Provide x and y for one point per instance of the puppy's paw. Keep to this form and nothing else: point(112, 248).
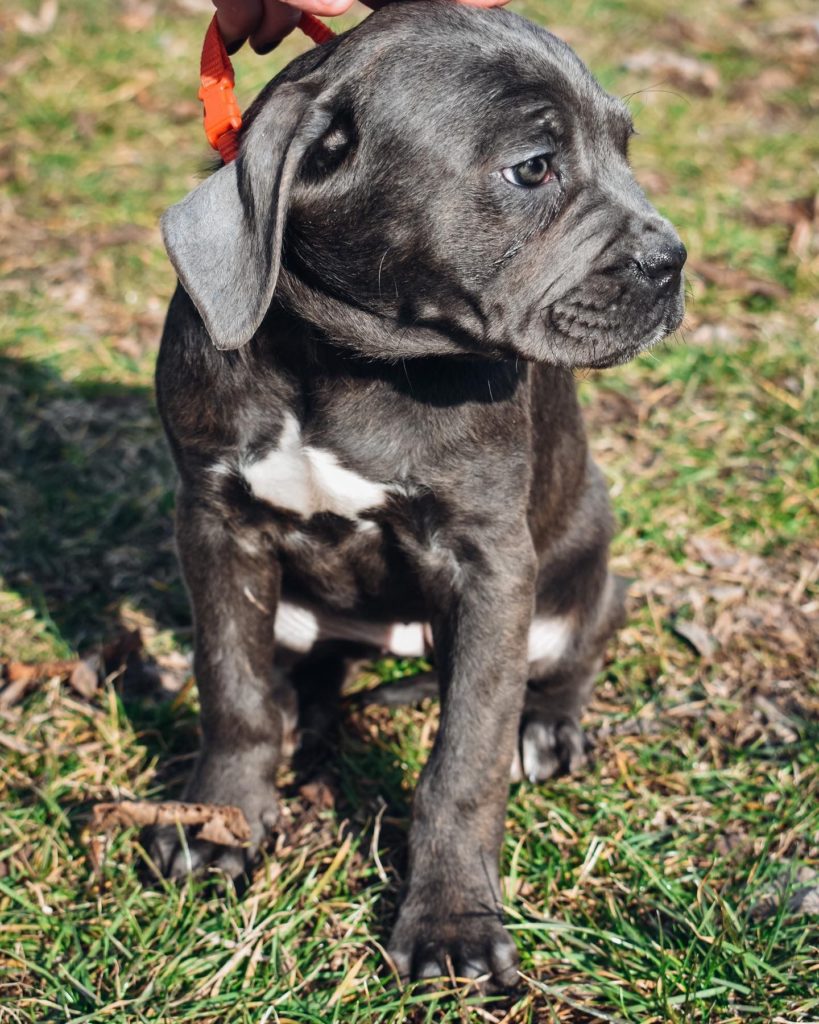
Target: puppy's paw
point(178, 853)
point(428, 942)
point(548, 748)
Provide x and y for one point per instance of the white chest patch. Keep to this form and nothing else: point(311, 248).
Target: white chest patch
point(306, 480)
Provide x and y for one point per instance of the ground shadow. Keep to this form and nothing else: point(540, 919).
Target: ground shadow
point(88, 486)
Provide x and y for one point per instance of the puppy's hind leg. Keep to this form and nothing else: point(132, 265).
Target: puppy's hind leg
point(566, 654)
point(318, 677)
point(552, 741)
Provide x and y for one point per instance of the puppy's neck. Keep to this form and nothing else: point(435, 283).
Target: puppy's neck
point(375, 336)
point(307, 354)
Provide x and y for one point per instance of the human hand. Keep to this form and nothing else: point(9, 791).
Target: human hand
point(266, 22)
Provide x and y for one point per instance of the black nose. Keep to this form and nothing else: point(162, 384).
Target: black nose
point(663, 264)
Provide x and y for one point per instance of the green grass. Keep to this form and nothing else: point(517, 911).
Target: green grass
point(661, 885)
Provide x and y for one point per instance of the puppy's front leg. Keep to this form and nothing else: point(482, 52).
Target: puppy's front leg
point(245, 706)
point(450, 917)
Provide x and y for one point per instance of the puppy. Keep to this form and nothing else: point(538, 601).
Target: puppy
point(366, 381)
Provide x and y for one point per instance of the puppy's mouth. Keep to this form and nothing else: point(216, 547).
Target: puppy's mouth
point(581, 341)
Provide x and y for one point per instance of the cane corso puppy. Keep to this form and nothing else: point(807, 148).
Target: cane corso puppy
point(366, 378)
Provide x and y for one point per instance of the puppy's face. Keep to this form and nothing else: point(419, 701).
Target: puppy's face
point(467, 177)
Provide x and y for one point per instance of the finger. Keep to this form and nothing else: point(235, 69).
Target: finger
point(237, 20)
point(377, 4)
point(322, 8)
point(277, 21)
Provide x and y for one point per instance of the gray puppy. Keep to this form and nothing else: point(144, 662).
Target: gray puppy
point(366, 381)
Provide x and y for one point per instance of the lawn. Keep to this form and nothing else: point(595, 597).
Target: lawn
point(678, 879)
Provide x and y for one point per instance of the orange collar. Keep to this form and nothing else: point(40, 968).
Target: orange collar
point(223, 118)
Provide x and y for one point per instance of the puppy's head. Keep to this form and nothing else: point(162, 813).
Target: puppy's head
point(441, 179)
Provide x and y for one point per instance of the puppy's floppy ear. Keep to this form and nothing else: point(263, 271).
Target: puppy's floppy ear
point(224, 239)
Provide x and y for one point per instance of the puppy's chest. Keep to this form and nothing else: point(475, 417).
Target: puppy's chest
point(307, 479)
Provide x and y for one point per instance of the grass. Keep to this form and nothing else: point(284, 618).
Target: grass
point(668, 883)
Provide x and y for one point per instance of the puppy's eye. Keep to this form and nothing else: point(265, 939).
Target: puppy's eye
point(531, 173)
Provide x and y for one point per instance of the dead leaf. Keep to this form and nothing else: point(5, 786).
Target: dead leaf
point(318, 793)
point(773, 622)
point(801, 215)
point(20, 672)
point(613, 408)
point(220, 824)
point(695, 636)
point(733, 280)
point(802, 239)
point(712, 551)
point(41, 22)
point(789, 212)
point(82, 674)
point(760, 94)
point(802, 900)
point(85, 677)
point(21, 677)
point(805, 901)
point(800, 34)
point(676, 69)
point(782, 724)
